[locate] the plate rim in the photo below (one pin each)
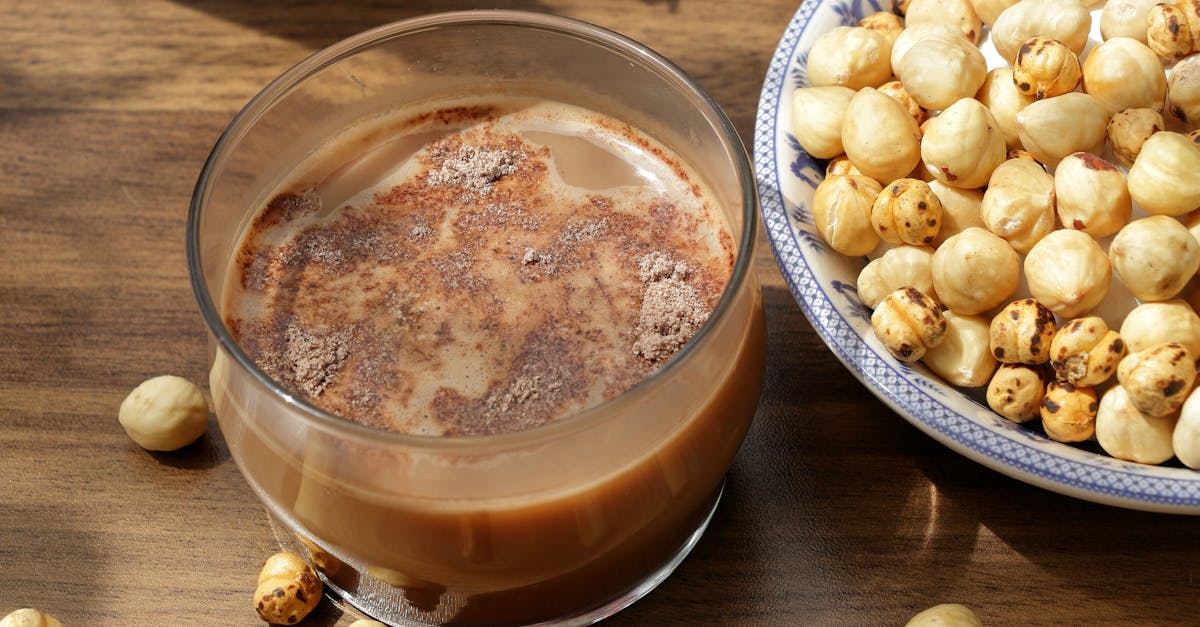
(1102, 480)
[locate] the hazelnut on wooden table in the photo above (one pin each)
(1045, 67)
(1086, 352)
(902, 266)
(1150, 324)
(1165, 177)
(1126, 433)
(1155, 257)
(1068, 272)
(1158, 379)
(288, 589)
(908, 322)
(1173, 29)
(1091, 195)
(1069, 412)
(164, 413)
(975, 271)
(29, 617)
(1123, 73)
(1129, 129)
(1016, 391)
(850, 56)
(906, 211)
(945, 615)
(1022, 332)
(817, 119)
(963, 357)
(1125, 18)
(841, 209)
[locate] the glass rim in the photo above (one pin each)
(329, 55)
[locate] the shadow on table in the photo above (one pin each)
(42, 542)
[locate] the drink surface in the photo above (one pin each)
(478, 268)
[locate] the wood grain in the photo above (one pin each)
(837, 512)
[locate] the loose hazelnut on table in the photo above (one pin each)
(1155, 257)
(975, 271)
(1045, 68)
(902, 266)
(1016, 391)
(841, 209)
(1086, 352)
(1158, 379)
(945, 615)
(963, 357)
(1069, 412)
(1068, 272)
(1165, 177)
(1018, 204)
(906, 211)
(1150, 324)
(1091, 195)
(1022, 332)
(29, 617)
(1122, 73)
(164, 413)
(288, 590)
(908, 323)
(1126, 433)
(1129, 129)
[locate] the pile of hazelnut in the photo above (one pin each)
(972, 189)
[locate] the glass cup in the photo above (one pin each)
(568, 522)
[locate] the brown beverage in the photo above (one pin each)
(492, 268)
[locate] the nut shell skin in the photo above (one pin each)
(288, 590)
(1016, 391)
(1069, 412)
(1126, 433)
(1022, 332)
(1086, 352)
(908, 322)
(1158, 379)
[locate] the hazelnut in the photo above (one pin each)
(1000, 95)
(879, 136)
(1185, 440)
(850, 56)
(960, 209)
(1129, 129)
(1069, 412)
(1165, 177)
(1053, 128)
(945, 615)
(1068, 272)
(1125, 18)
(1126, 433)
(906, 212)
(902, 266)
(975, 271)
(1158, 379)
(1018, 204)
(962, 358)
(29, 617)
(1149, 324)
(1183, 90)
(963, 145)
(989, 10)
(817, 119)
(922, 69)
(1091, 195)
(841, 209)
(288, 590)
(1045, 68)
(1173, 30)
(164, 413)
(885, 23)
(1155, 257)
(841, 166)
(1067, 21)
(912, 34)
(957, 13)
(1021, 333)
(1086, 352)
(896, 90)
(1016, 391)
(908, 323)
(1122, 73)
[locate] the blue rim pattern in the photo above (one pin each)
(977, 433)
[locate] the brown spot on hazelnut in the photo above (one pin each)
(1051, 406)
(998, 352)
(1173, 387)
(1078, 224)
(1092, 162)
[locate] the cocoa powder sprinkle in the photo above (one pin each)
(672, 310)
(475, 169)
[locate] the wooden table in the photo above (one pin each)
(836, 512)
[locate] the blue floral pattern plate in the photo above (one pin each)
(823, 283)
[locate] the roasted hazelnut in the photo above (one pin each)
(1125, 18)
(1149, 324)
(1129, 129)
(906, 212)
(1000, 95)
(1067, 21)
(1155, 257)
(908, 322)
(902, 266)
(1126, 433)
(896, 90)
(1016, 391)
(957, 13)
(1045, 68)
(1173, 30)
(1021, 333)
(975, 271)
(1018, 204)
(164, 413)
(288, 590)
(963, 145)
(1183, 90)
(1091, 195)
(850, 56)
(841, 209)
(963, 357)
(1069, 412)
(1158, 379)
(1165, 177)
(879, 136)
(817, 114)
(841, 166)
(1068, 272)
(922, 69)
(1053, 128)
(1086, 352)
(29, 617)
(945, 615)
(1122, 73)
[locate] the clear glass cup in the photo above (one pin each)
(568, 522)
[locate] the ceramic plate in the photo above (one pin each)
(823, 283)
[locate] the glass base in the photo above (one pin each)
(382, 601)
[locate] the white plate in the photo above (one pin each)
(823, 283)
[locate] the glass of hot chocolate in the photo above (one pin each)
(486, 337)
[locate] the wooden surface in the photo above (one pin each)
(837, 512)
